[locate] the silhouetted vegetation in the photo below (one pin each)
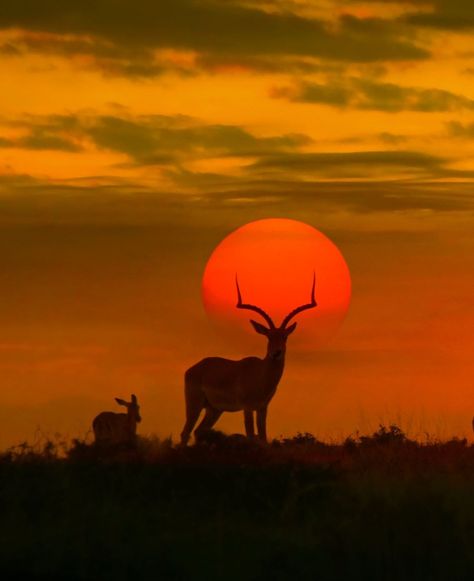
(378, 507)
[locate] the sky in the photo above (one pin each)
(135, 136)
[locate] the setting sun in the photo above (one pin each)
(275, 260)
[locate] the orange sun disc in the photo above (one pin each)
(274, 260)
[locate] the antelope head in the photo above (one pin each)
(276, 336)
(133, 409)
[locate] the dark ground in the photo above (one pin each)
(377, 508)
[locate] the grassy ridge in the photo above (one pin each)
(381, 508)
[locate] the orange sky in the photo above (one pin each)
(133, 141)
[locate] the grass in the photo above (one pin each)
(378, 507)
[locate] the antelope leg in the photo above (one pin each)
(211, 417)
(249, 425)
(262, 423)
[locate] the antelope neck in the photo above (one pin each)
(275, 363)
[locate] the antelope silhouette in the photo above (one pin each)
(114, 428)
(223, 385)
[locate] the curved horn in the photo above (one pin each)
(301, 308)
(241, 305)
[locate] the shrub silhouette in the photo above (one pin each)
(373, 507)
(383, 436)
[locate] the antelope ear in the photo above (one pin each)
(121, 401)
(290, 329)
(259, 327)
(134, 398)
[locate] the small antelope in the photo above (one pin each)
(223, 385)
(113, 428)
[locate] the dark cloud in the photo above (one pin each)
(375, 95)
(144, 139)
(457, 129)
(115, 60)
(111, 59)
(392, 97)
(445, 14)
(392, 138)
(363, 197)
(329, 94)
(172, 142)
(356, 164)
(55, 133)
(29, 201)
(49, 142)
(207, 27)
(215, 63)
(9, 49)
(387, 158)
(442, 14)
(151, 139)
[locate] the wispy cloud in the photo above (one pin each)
(360, 93)
(437, 14)
(174, 144)
(457, 129)
(109, 201)
(123, 39)
(153, 139)
(444, 14)
(359, 164)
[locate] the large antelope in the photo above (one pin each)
(224, 385)
(113, 428)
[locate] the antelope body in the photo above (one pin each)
(114, 428)
(223, 385)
